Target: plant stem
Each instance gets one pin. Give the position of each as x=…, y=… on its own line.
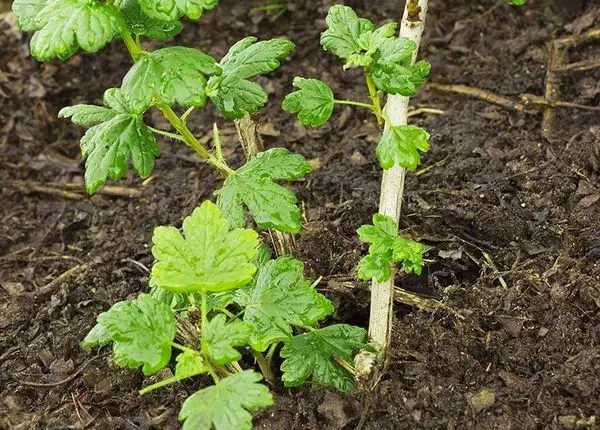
x=183, y=348
x=135, y=50
x=392, y=186
x=167, y=134
x=190, y=139
x=353, y=103
x=374, y=94
x=217, y=143
x=265, y=367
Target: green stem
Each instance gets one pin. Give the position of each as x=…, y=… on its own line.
x=265, y=367
x=135, y=50
x=217, y=142
x=353, y=103
x=167, y=134
x=189, y=138
x=183, y=348
x=374, y=94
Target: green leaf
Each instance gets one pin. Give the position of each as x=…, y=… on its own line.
x=227, y=405
x=231, y=92
x=141, y=24
x=344, y=30
x=401, y=145
x=189, y=364
x=142, y=331
x=209, y=257
x=64, y=26
x=387, y=247
x=97, y=336
x=317, y=354
x=176, y=74
x=516, y=2
x=221, y=338
x=170, y=10
x=26, y=12
x=271, y=205
x=121, y=134
x=280, y=299
x=370, y=41
x=313, y=102
x=403, y=80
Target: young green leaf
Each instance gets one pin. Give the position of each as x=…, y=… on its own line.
x=170, y=10
x=26, y=11
x=401, y=145
x=97, y=336
x=181, y=302
x=231, y=92
x=318, y=354
x=344, y=29
x=189, y=364
x=64, y=26
x=209, y=257
x=280, y=299
x=313, y=102
x=403, y=80
x=176, y=74
x=141, y=24
x=221, y=338
x=270, y=204
x=386, y=247
x=141, y=330
x=120, y=134
x=516, y=2
x=227, y=405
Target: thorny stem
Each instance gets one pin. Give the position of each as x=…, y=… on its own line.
x=217, y=143
x=167, y=134
x=374, y=94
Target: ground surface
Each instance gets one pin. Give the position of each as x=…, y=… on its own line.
x=512, y=220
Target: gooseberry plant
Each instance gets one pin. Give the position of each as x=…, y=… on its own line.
x=217, y=297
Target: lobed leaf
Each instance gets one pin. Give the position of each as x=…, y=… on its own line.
x=280, y=299
x=222, y=337
x=253, y=185
x=231, y=92
x=344, y=29
x=176, y=74
x=140, y=24
x=64, y=26
x=387, y=247
x=120, y=134
x=26, y=12
x=171, y=10
x=313, y=102
x=209, y=257
x=141, y=331
x=317, y=355
x=227, y=405
x=401, y=145
x=189, y=364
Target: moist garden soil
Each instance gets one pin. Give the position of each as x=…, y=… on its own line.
x=511, y=218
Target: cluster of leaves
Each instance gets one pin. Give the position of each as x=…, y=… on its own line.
x=273, y=302
x=387, y=61
x=386, y=246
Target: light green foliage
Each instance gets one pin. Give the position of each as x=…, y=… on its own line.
x=209, y=257
x=170, y=10
x=189, y=364
x=26, y=11
x=344, y=29
x=227, y=405
x=222, y=337
x=120, y=134
x=401, y=145
x=516, y=2
x=175, y=74
x=141, y=24
x=384, y=56
x=387, y=247
x=318, y=354
x=280, y=299
x=313, y=102
x=141, y=331
x=231, y=92
x=252, y=185
x=64, y=26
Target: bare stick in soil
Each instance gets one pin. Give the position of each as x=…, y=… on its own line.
x=392, y=187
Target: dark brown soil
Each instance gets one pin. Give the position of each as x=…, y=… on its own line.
x=512, y=219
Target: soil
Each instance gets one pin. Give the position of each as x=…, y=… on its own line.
x=512, y=220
